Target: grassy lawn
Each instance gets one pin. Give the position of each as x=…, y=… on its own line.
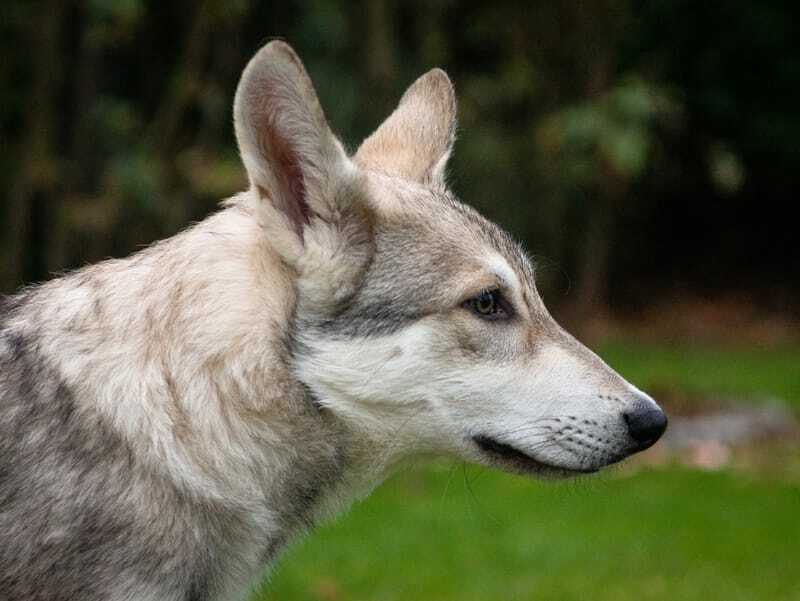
x=445, y=532
x=750, y=372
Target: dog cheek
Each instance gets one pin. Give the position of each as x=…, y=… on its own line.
x=467, y=344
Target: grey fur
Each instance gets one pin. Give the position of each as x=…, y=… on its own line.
x=409, y=260
x=65, y=529
x=81, y=517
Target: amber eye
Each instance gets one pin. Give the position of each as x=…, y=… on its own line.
x=488, y=304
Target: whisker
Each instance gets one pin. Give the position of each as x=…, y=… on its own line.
x=450, y=475
x=477, y=504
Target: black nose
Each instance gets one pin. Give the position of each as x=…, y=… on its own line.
x=646, y=423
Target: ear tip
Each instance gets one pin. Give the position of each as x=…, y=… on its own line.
x=275, y=60
x=277, y=52
x=440, y=75
x=435, y=83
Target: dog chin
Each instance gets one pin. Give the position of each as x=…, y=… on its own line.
x=510, y=459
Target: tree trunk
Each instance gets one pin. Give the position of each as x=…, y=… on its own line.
x=380, y=55
x=164, y=134
x=33, y=194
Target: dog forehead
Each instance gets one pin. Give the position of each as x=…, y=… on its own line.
x=430, y=225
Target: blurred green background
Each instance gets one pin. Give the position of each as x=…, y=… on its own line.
x=646, y=153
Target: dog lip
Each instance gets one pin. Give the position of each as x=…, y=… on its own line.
x=519, y=459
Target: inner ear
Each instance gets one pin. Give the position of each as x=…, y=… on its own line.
x=293, y=160
x=293, y=202
x=416, y=140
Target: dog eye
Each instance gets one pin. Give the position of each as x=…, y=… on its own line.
x=489, y=304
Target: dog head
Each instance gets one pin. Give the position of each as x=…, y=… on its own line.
x=418, y=323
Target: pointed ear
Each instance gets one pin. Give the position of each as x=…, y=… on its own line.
x=416, y=140
x=293, y=160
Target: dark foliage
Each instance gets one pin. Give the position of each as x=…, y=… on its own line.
x=643, y=148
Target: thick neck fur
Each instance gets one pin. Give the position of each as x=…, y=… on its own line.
x=183, y=351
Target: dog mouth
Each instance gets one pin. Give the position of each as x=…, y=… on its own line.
x=510, y=457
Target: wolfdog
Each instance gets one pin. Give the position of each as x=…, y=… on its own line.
x=170, y=420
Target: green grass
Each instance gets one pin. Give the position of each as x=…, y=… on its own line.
x=668, y=534
x=740, y=372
